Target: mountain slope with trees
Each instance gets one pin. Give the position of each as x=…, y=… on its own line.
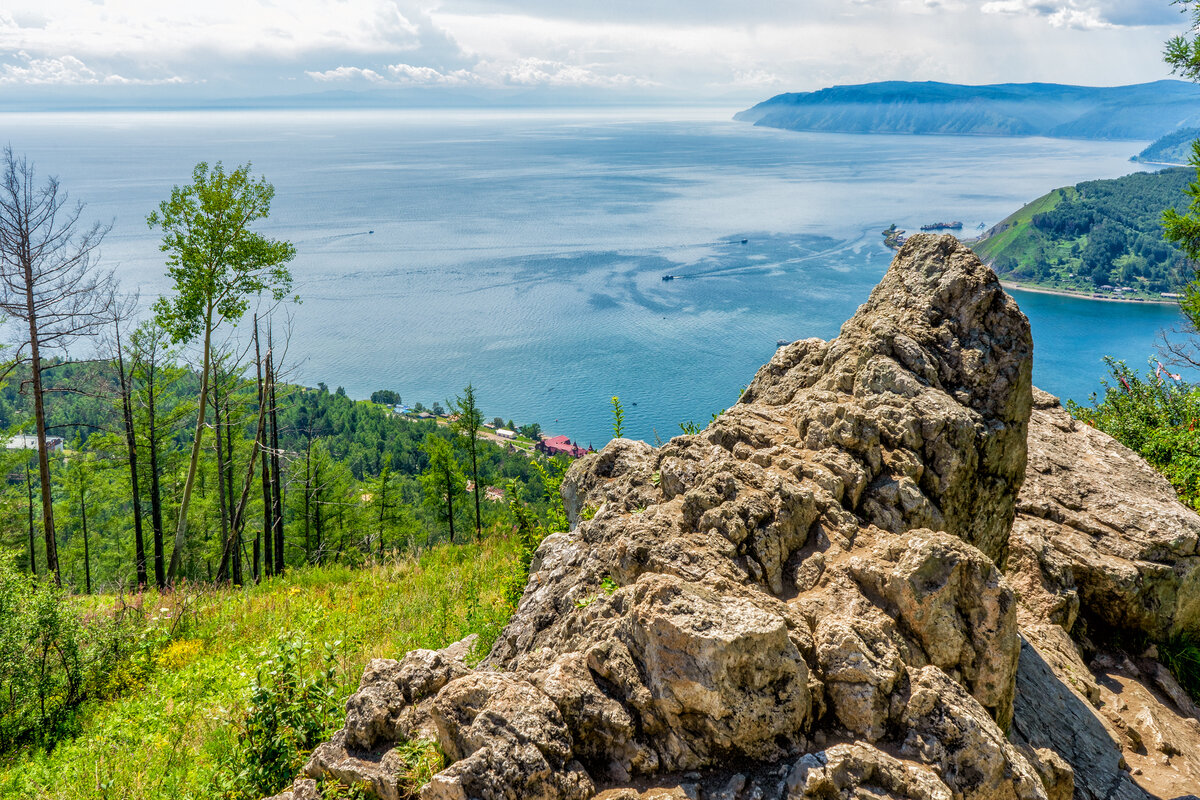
x=1174, y=148
x=1142, y=111
x=1096, y=233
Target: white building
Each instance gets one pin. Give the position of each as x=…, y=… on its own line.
x=23, y=442
x=505, y=433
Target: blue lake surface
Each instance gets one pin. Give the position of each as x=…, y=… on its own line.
x=524, y=252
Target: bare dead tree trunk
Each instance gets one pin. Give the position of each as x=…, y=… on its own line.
x=229, y=453
x=239, y=519
x=156, y=519
x=276, y=475
x=139, y=547
x=32, y=551
x=49, y=281
x=87, y=558
x=39, y=416
x=261, y=444
x=450, y=502
x=308, y=496
x=383, y=482
x=222, y=572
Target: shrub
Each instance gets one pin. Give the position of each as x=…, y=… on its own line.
x=1156, y=418
x=288, y=714
x=41, y=666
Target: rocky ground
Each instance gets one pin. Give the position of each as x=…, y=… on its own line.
x=893, y=569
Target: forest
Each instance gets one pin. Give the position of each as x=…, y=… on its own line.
x=1173, y=148
x=1096, y=233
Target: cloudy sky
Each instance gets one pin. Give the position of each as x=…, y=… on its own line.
x=108, y=50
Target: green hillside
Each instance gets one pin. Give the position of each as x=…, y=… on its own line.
x=1095, y=234
x=1174, y=148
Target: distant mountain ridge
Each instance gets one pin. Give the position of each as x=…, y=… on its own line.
x=1141, y=111
x=1174, y=148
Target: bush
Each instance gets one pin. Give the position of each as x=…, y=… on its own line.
x=1157, y=419
x=287, y=716
x=41, y=668
x=1181, y=655
x=53, y=657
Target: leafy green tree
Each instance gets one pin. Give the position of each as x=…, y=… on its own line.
x=618, y=418
x=467, y=425
x=1183, y=55
x=442, y=480
x=1156, y=418
x=217, y=264
x=386, y=397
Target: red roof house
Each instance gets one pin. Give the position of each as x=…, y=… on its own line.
x=560, y=445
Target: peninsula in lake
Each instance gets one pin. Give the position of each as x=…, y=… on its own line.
x=1142, y=111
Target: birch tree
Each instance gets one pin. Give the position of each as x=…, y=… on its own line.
x=217, y=263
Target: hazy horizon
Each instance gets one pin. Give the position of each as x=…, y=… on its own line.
x=137, y=53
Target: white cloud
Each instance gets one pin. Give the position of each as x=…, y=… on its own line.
x=258, y=47
x=1081, y=18
x=544, y=72
x=345, y=74
x=523, y=72
x=67, y=71
x=427, y=76
x=1070, y=14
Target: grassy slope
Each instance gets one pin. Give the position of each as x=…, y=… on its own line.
x=164, y=740
x=1016, y=235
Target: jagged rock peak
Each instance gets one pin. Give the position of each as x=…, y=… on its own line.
x=809, y=599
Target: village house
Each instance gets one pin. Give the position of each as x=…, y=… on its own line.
x=23, y=442
x=560, y=445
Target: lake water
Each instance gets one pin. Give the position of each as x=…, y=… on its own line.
x=523, y=252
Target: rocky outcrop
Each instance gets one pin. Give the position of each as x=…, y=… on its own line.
x=1102, y=556
x=810, y=598
x=1100, y=535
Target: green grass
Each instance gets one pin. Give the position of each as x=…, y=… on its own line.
x=1015, y=230
x=165, y=738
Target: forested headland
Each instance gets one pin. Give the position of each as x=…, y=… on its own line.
x=1095, y=234
x=1173, y=148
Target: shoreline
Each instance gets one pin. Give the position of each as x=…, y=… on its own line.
x=1009, y=285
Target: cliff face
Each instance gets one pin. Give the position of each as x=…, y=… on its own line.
x=812, y=599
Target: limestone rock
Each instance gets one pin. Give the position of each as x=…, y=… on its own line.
x=845, y=770
x=815, y=595
x=1100, y=534
x=822, y=560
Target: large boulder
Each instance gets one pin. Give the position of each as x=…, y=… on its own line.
x=808, y=599
x=1102, y=556
x=1100, y=536
x=823, y=561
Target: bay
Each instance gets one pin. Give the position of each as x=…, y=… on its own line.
x=524, y=251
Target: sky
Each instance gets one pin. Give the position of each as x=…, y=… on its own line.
x=120, y=51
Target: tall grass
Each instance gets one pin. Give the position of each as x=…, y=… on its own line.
x=169, y=738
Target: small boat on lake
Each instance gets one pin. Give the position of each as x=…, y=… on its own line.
x=745, y=241
x=668, y=277
x=781, y=342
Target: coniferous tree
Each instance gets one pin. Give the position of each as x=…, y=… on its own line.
x=442, y=480
x=469, y=421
